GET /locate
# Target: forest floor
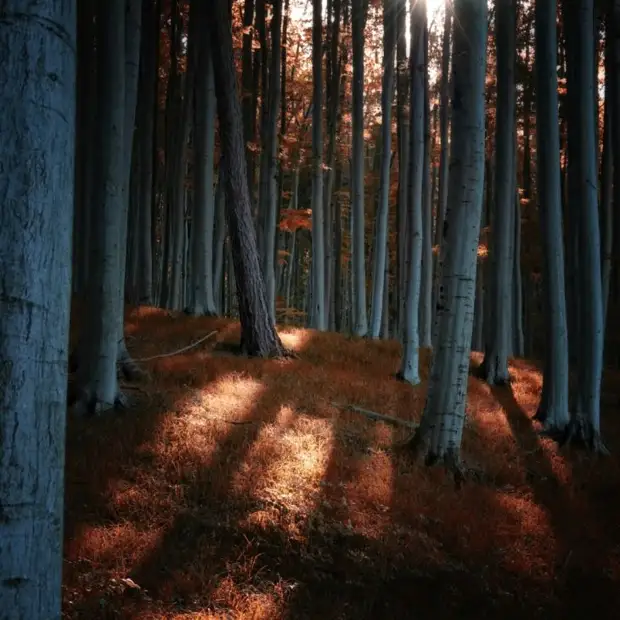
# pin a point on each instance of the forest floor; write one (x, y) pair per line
(235, 488)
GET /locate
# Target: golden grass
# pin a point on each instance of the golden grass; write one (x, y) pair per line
(235, 489)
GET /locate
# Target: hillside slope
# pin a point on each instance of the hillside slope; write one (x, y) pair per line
(238, 488)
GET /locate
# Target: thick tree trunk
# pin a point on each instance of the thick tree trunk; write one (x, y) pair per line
(381, 236)
(585, 422)
(37, 98)
(495, 365)
(409, 370)
(441, 428)
(220, 240)
(258, 333)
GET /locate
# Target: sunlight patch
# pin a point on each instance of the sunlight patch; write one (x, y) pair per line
(295, 340)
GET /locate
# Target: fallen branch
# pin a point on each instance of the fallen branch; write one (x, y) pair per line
(379, 417)
(189, 346)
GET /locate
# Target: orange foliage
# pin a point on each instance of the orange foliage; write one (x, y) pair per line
(237, 488)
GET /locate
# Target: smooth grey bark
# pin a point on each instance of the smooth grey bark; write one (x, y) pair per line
(517, 279)
(268, 200)
(358, 255)
(247, 83)
(202, 301)
(258, 332)
(147, 100)
(318, 313)
(402, 134)
(133, 27)
(97, 379)
(439, 435)
(293, 246)
(409, 369)
(381, 235)
(585, 419)
(425, 317)
(497, 349)
(553, 408)
(37, 98)
(220, 239)
(179, 169)
(614, 94)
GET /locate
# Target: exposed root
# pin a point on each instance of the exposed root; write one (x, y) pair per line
(130, 369)
(580, 433)
(177, 351)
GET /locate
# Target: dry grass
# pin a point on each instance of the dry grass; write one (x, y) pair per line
(234, 489)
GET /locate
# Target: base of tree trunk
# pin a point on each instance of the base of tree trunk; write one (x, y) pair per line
(400, 376)
(199, 311)
(551, 427)
(86, 403)
(580, 433)
(128, 367)
(490, 374)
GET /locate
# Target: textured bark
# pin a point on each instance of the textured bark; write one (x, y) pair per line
(220, 240)
(495, 365)
(37, 98)
(440, 432)
(381, 235)
(203, 214)
(358, 256)
(247, 83)
(317, 314)
(409, 370)
(258, 333)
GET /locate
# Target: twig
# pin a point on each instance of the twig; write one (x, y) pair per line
(388, 419)
(189, 346)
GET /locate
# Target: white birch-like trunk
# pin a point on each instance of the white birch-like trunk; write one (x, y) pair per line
(440, 432)
(37, 99)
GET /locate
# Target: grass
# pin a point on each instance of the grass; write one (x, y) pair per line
(233, 488)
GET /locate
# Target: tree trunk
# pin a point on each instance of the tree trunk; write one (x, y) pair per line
(495, 365)
(258, 333)
(409, 370)
(441, 428)
(358, 263)
(38, 43)
(202, 301)
(381, 236)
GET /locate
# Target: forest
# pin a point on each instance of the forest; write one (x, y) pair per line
(306, 309)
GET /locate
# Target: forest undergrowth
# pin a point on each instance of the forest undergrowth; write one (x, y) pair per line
(244, 488)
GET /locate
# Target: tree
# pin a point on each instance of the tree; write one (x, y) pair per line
(553, 409)
(203, 215)
(258, 333)
(38, 89)
(97, 379)
(387, 96)
(439, 434)
(585, 419)
(409, 370)
(358, 259)
(318, 314)
(495, 365)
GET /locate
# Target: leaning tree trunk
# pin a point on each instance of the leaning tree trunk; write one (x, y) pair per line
(97, 378)
(553, 409)
(497, 349)
(358, 257)
(585, 421)
(381, 236)
(203, 214)
(440, 432)
(258, 333)
(37, 98)
(409, 370)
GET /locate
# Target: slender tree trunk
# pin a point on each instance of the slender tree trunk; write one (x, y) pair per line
(495, 365)
(409, 370)
(360, 320)
(381, 239)
(258, 333)
(441, 428)
(37, 98)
